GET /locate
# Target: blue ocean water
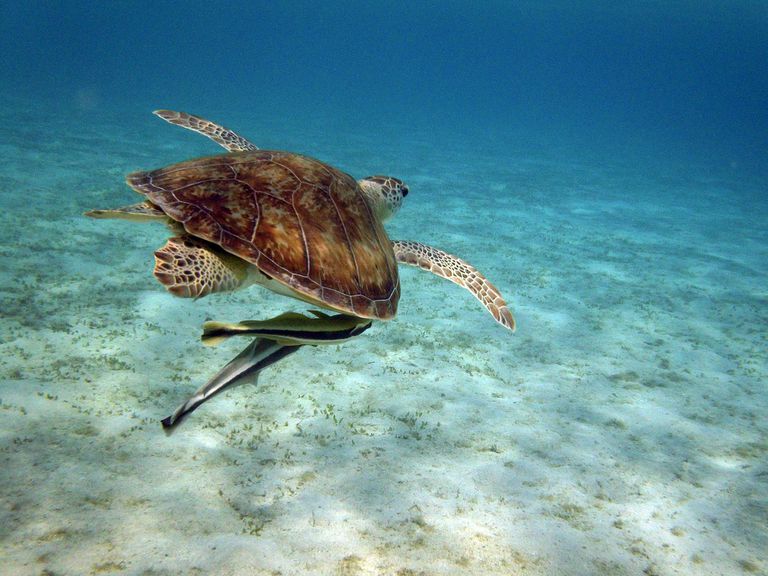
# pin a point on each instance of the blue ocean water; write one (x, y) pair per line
(604, 164)
(685, 80)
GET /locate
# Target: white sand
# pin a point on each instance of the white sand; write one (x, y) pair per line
(621, 430)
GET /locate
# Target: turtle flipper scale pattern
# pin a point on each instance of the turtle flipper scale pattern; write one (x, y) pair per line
(224, 137)
(458, 271)
(190, 268)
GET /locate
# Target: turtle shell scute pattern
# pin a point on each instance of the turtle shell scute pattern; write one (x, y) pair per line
(300, 221)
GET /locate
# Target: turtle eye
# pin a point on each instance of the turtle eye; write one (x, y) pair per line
(404, 190)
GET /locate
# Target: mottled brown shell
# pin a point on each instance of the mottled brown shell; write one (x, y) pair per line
(299, 220)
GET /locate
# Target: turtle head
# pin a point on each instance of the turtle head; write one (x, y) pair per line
(385, 194)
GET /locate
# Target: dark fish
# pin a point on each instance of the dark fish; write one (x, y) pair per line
(276, 339)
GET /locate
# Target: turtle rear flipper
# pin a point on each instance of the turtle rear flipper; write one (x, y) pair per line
(192, 268)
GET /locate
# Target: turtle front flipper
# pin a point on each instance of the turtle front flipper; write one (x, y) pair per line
(458, 271)
(192, 268)
(222, 136)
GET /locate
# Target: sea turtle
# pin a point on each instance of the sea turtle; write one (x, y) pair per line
(289, 222)
(293, 224)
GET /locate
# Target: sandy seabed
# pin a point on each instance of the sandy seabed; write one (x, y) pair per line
(621, 429)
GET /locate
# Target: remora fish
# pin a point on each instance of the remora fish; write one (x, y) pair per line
(276, 339)
(291, 329)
